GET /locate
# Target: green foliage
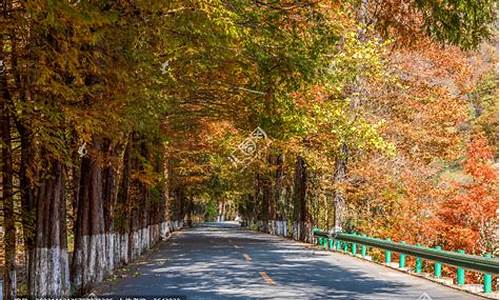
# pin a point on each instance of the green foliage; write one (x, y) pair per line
(461, 22)
(484, 108)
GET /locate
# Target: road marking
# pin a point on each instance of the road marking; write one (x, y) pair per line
(247, 257)
(236, 246)
(266, 277)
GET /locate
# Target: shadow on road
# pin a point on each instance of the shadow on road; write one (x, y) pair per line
(208, 262)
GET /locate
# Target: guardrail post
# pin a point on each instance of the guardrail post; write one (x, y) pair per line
(388, 255)
(437, 266)
(330, 240)
(460, 272)
(418, 263)
(487, 279)
(354, 247)
(363, 248)
(346, 246)
(402, 259)
(338, 245)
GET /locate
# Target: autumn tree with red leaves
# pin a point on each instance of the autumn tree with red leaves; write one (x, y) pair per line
(469, 220)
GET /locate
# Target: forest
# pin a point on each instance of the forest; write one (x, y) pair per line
(121, 121)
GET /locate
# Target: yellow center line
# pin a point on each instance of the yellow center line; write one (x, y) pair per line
(266, 277)
(247, 257)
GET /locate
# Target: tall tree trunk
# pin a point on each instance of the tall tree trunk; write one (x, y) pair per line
(180, 205)
(159, 204)
(278, 189)
(109, 201)
(221, 210)
(121, 224)
(144, 212)
(146, 203)
(167, 171)
(27, 200)
(266, 201)
(339, 177)
(9, 272)
(189, 211)
(300, 197)
(89, 257)
(137, 201)
(50, 264)
(257, 198)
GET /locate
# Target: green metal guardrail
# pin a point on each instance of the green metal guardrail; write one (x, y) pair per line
(486, 265)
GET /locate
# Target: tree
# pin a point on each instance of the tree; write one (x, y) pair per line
(469, 220)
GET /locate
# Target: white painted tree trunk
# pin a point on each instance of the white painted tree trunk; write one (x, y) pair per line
(51, 276)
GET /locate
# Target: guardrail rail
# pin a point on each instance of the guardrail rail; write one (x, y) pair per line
(341, 242)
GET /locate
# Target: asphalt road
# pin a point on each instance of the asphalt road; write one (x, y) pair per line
(217, 261)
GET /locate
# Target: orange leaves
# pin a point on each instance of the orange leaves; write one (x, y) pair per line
(479, 163)
(467, 220)
(424, 111)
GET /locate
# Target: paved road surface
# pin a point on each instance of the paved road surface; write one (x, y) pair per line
(225, 262)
